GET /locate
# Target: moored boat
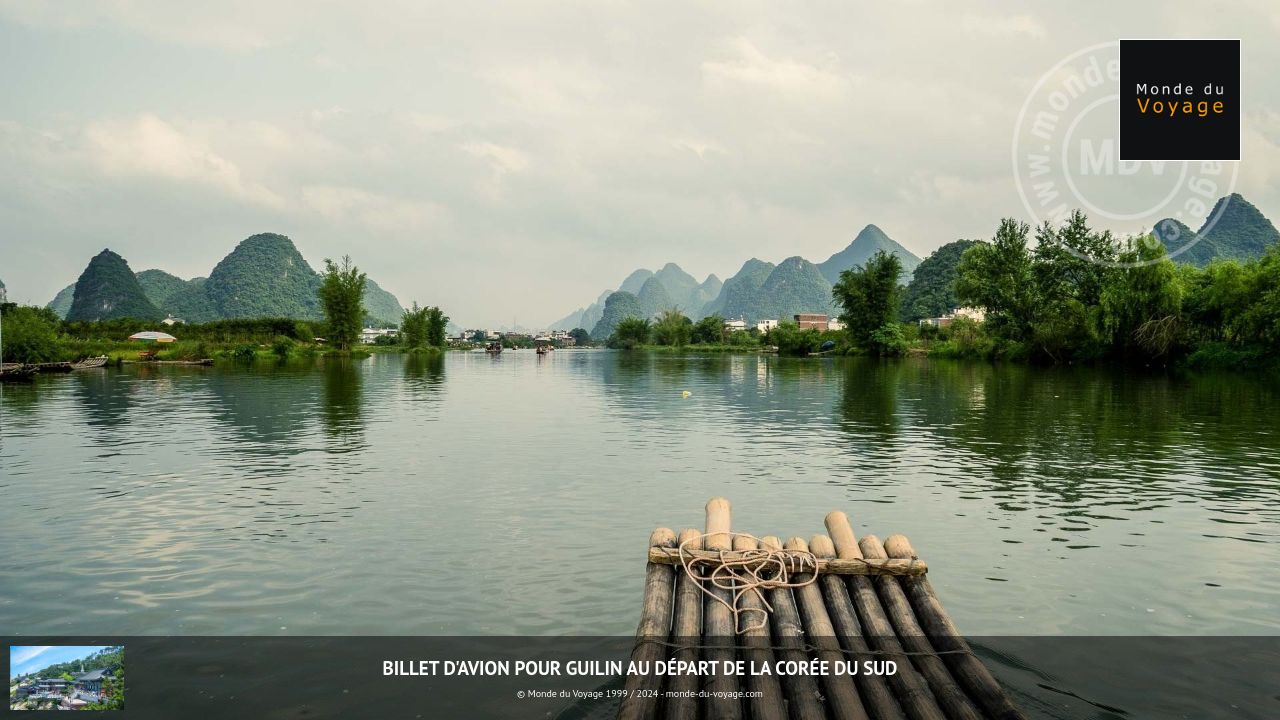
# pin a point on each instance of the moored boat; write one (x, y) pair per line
(494, 348)
(90, 362)
(17, 371)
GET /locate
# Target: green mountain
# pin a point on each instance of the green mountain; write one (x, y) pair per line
(706, 292)
(108, 289)
(932, 291)
(868, 241)
(380, 306)
(264, 276)
(635, 281)
(61, 303)
(1241, 232)
(161, 287)
(617, 307)
(741, 290)
(795, 286)
(654, 298)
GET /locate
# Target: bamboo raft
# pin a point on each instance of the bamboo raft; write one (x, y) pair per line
(833, 598)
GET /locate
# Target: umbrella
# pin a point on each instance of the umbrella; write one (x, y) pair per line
(153, 336)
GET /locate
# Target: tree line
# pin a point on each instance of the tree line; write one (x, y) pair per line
(1076, 295)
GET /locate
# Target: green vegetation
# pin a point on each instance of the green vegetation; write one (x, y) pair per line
(30, 334)
(108, 289)
(673, 329)
(342, 298)
(630, 333)
(161, 287)
(794, 286)
(870, 298)
(617, 307)
(422, 328)
(932, 292)
(581, 338)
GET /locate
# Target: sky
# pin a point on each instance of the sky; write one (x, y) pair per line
(509, 162)
(31, 658)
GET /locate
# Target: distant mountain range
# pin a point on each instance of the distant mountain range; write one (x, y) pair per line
(264, 276)
(760, 290)
(1241, 232)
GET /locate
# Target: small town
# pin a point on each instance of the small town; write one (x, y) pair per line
(95, 682)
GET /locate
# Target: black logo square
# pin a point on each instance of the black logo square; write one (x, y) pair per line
(1179, 99)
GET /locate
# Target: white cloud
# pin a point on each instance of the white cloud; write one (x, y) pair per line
(750, 67)
(380, 213)
(146, 145)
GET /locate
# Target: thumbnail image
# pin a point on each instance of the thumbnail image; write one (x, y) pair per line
(66, 677)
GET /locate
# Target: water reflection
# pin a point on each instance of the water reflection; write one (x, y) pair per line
(340, 409)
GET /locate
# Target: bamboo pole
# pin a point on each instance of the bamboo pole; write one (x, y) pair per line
(836, 566)
(874, 688)
(946, 691)
(756, 645)
(790, 632)
(911, 689)
(641, 702)
(717, 621)
(686, 632)
(967, 668)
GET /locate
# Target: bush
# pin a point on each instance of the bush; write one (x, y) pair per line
(283, 346)
(30, 334)
(791, 340)
(244, 353)
(630, 333)
(887, 341)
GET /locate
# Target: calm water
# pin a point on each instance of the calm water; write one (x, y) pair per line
(370, 497)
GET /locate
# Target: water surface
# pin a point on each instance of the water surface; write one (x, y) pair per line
(514, 495)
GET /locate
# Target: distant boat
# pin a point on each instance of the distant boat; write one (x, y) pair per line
(543, 349)
(494, 348)
(92, 362)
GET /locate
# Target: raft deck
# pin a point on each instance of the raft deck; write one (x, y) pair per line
(723, 596)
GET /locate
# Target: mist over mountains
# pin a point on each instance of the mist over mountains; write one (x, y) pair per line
(759, 290)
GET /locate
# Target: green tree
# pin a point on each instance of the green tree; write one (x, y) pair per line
(869, 296)
(672, 328)
(709, 330)
(630, 333)
(342, 299)
(997, 276)
(932, 290)
(791, 340)
(1141, 303)
(29, 334)
(437, 324)
(413, 327)
(581, 338)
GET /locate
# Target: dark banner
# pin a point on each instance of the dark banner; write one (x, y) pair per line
(585, 677)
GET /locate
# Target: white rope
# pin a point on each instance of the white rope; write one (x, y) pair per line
(748, 571)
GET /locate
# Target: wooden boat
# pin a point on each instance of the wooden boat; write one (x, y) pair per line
(53, 367)
(494, 348)
(17, 371)
(543, 349)
(91, 362)
(722, 596)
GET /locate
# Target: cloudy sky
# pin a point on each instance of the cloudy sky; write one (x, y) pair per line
(509, 162)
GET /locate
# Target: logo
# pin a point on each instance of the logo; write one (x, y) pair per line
(1066, 156)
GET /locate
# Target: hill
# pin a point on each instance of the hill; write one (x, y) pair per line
(932, 291)
(867, 242)
(381, 306)
(617, 306)
(740, 290)
(264, 276)
(1241, 232)
(795, 286)
(654, 298)
(107, 290)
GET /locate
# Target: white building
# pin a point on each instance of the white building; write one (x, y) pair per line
(835, 324)
(735, 325)
(766, 325)
(369, 336)
(975, 314)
